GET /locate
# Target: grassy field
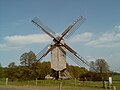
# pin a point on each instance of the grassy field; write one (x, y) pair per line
(46, 88)
(116, 81)
(54, 85)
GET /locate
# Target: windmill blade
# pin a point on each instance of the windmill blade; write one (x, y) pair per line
(74, 58)
(41, 53)
(77, 56)
(44, 28)
(75, 27)
(72, 28)
(44, 52)
(73, 55)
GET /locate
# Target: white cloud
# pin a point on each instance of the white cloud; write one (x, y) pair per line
(27, 39)
(2, 45)
(111, 39)
(6, 47)
(90, 58)
(106, 40)
(19, 41)
(84, 37)
(117, 27)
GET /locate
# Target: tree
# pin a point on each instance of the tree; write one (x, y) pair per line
(12, 65)
(40, 70)
(26, 59)
(23, 59)
(31, 58)
(0, 65)
(76, 71)
(1, 71)
(92, 66)
(101, 66)
(11, 72)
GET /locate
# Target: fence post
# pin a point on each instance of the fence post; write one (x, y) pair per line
(105, 85)
(36, 81)
(60, 85)
(6, 81)
(75, 81)
(114, 88)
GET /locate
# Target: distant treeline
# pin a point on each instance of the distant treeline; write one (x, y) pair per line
(27, 70)
(39, 71)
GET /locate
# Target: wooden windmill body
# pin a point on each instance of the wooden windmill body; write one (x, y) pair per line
(58, 47)
(58, 58)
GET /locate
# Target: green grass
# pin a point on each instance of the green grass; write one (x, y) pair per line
(54, 83)
(66, 84)
(117, 84)
(116, 77)
(116, 81)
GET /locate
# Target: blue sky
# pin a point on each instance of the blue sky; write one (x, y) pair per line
(97, 37)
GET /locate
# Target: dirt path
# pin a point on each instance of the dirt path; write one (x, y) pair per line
(28, 88)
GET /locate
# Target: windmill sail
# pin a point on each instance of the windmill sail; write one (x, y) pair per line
(73, 55)
(44, 52)
(77, 56)
(72, 28)
(44, 28)
(41, 53)
(80, 61)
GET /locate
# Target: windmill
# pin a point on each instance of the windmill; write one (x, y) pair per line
(59, 49)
